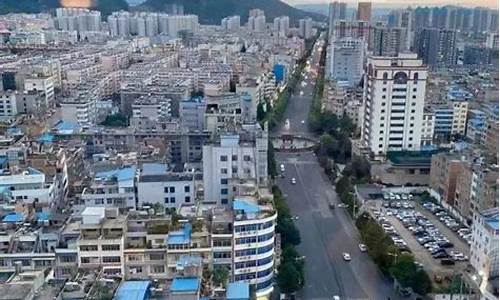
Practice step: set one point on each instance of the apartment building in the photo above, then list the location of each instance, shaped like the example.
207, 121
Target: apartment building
428, 124
114, 188
44, 84
345, 61
171, 189
484, 247
102, 240
234, 156
445, 168
394, 103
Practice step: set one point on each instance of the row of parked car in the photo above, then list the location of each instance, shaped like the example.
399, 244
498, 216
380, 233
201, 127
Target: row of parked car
397, 196
449, 221
429, 237
391, 232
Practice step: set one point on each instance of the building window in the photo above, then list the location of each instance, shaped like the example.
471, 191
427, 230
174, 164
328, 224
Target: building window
223, 191
111, 259
234, 157
110, 247
223, 201
165, 190
223, 158
187, 189
223, 181
172, 199
172, 189
234, 170
246, 158
187, 199
223, 171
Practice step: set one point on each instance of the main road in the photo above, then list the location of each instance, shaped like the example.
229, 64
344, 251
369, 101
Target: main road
325, 233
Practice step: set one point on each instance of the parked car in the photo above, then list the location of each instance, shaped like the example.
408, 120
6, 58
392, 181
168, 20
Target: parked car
447, 262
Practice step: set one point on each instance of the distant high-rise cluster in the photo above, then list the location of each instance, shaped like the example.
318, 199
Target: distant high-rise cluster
364, 12
78, 19
305, 28
232, 23
256, 20
282, 25
336, 11
150, 24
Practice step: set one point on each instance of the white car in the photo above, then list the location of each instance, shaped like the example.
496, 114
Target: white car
362, 247
346, 256
342, 205
336, 297
294, 181
302, 121
282, 168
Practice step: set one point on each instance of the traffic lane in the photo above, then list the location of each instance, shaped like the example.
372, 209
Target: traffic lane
333, 231
323, 237
320, 276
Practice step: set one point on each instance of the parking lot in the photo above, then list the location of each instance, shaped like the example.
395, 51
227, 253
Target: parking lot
424, 230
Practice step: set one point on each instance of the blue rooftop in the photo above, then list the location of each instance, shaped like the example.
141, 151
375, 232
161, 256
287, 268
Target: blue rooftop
13, 218
238, 291
180, 237
42, 216
127, 173
133, 290
65, 127
245, 206
13, 131
46, 138
190, 284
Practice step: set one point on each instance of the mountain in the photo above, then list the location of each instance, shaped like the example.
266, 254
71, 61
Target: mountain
36, 6
212, 11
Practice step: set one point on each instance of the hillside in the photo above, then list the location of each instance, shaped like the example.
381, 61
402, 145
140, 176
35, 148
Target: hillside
212, 11
36, 6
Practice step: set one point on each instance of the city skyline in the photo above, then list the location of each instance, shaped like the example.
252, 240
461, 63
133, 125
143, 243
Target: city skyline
398, 3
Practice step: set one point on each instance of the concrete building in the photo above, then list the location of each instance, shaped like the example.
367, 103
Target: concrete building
233, 158
102, 240
388, 41
345, 62
8, 106
427, 128
484, 247
114, 188
150, 111
231, 23
192, 113
282, 25
445, 169
305, 28
44, 84
394, 103
354, 29
171, 189
364, 12
336, 12
436, 47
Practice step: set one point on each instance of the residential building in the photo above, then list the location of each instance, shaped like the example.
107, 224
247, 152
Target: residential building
171, 189
345, 61
484, 247
336, 12
102, 240
436, 47
305, 28
233, 157
232, 23
44, 84
192, 113
445, 168
394, 103
114, 188
354, 29
427, 128
388, 41
364, 12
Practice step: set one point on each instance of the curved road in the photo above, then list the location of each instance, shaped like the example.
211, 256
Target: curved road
325, 233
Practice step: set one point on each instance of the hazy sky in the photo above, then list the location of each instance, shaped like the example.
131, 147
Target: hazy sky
489, 3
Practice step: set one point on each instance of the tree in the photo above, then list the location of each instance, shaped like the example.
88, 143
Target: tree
289, 278
289, 233
422, 283
360, 167
220, 276
261, 113
271, 161
243, 49
343, 185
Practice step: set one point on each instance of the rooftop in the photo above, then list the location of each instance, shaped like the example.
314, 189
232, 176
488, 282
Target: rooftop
491, 217
126, 173
238, 290
189, 284
180, 236
132, 290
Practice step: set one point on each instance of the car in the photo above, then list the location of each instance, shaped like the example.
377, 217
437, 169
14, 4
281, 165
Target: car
362, 247
447, 262
282, 168
331, 205
293, 180
342, 205
441, 254
336, 297
302, 122
346, 256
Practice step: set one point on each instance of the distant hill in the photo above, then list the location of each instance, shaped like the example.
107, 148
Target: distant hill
36, 6
212, 11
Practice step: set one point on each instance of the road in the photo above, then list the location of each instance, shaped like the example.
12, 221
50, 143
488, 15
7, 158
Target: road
325, 233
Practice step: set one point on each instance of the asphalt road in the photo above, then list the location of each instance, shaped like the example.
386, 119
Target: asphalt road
325, 233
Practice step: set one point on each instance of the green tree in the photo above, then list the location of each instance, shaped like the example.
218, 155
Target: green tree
220, 276
243, 49
261, 113
289, 233
422, 283
271, 160
289, 278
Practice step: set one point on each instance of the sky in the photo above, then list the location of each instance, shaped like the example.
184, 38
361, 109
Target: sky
385, 3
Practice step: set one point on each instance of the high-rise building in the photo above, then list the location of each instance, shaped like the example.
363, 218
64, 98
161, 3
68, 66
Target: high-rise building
484, 246
422, 17
388, 41
231, 23
305, 28
345, 61
256, 12
394, 103
282, 25
436, 47
364, 12
353, 29
336, 12
481, 17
